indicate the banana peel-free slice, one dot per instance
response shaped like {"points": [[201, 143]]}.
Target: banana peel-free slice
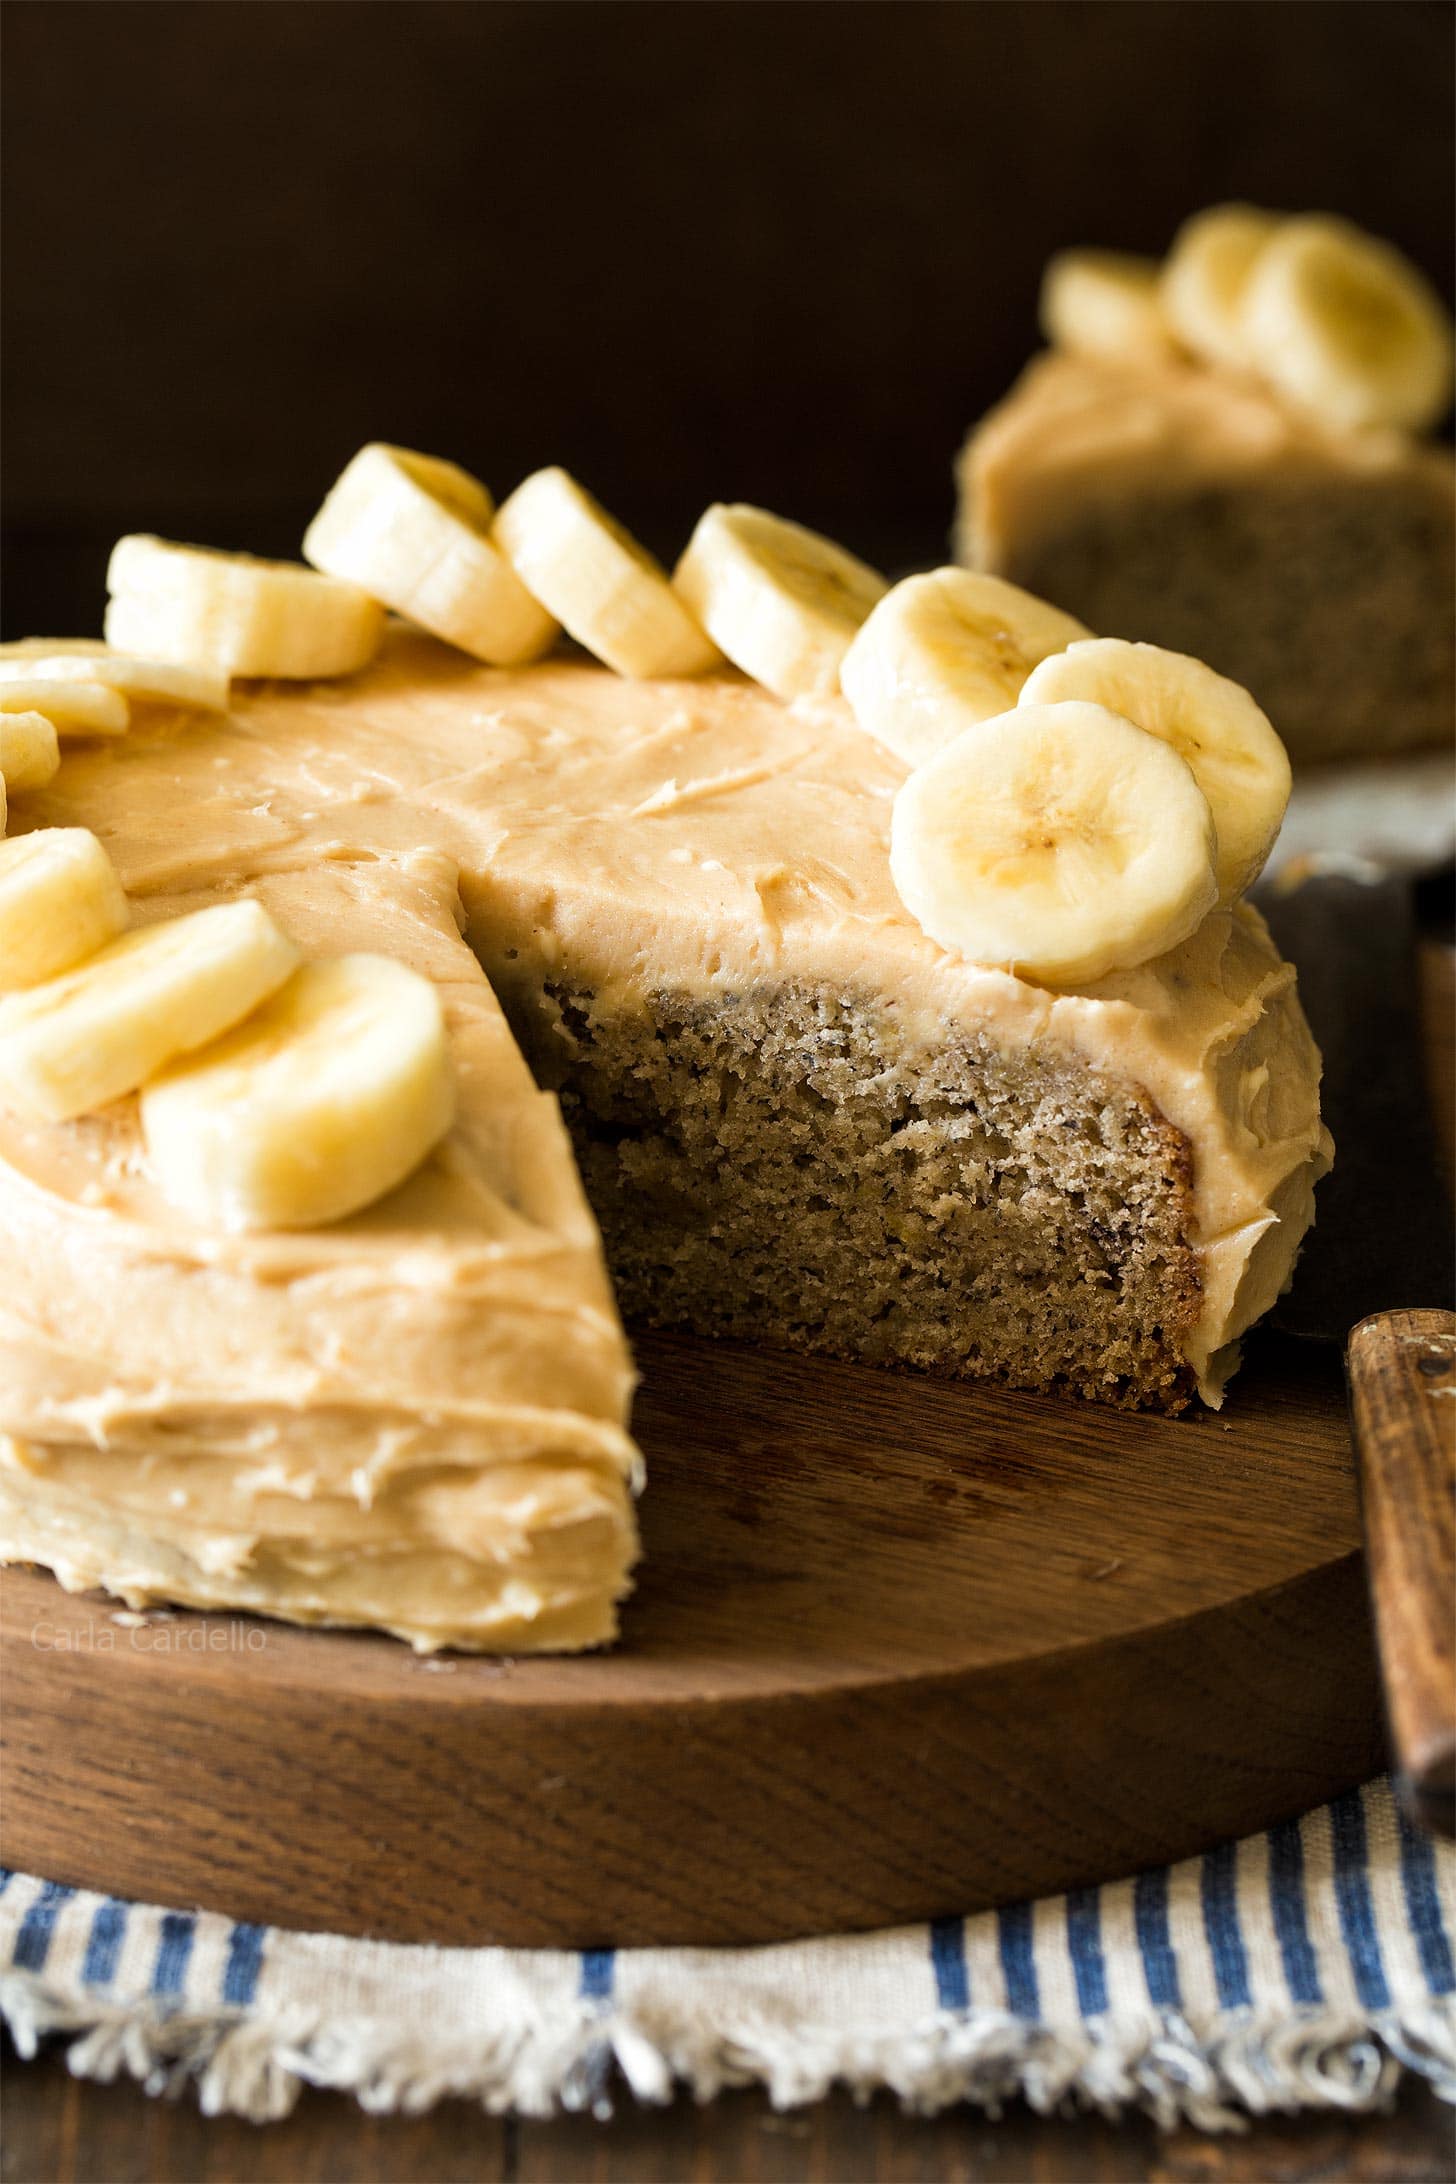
{"points": [[327, 1097], [944, 650], [235, 613], [1227, 740], [598, 582], [88, 1035], [781, 602], [1057, 842], [416, 532], [60, 900]]}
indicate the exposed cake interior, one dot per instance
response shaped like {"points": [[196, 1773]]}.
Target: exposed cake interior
{"points": [[788, 1165]]}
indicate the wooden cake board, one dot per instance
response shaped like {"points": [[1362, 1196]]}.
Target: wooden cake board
{"points": [[900, 1647]]}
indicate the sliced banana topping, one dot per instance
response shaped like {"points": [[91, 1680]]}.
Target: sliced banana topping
{"points": [[944, 650], [235, 613], [781, 602], [1058, 842], [604, 588], [30, 754], [326, 1098], [1329, 317], [96, 1032], [1227, 741], [1205, 277], [415, 532], [79, 706], [1344, 325], [156, 682], [60, 900], [1104, 303]]}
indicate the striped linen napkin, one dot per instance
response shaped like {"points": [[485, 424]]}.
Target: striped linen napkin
{"points": [[1305, 1968]]}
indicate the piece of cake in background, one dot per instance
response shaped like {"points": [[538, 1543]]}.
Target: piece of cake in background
{"points": [[1230, 455]]}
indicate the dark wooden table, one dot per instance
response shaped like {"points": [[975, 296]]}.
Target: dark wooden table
{"points": [[60, 2130]]}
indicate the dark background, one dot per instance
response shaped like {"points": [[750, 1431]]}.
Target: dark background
{"points": [[694, 250]]}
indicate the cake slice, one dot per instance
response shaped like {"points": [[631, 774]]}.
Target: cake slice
{"points": [[1228, 454], [1160, 500], [414, 1418]]}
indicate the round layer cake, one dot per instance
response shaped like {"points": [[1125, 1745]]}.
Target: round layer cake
{"points": [[662, 915]]}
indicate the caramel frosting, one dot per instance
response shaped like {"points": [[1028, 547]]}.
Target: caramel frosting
{"points": [[1078, 431], [417, 1417]]}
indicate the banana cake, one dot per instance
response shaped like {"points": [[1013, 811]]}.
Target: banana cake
{"points": [[709, 1066], [1231, 456]]}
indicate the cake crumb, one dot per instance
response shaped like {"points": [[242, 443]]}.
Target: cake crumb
{"points": [[954, 1206]]}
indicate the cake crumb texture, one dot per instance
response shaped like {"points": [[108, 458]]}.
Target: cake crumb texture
{"points": [[1319, 599], [783, 1166]]}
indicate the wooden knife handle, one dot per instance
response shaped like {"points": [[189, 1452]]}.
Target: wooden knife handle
{"points": [[1401, 1368]]}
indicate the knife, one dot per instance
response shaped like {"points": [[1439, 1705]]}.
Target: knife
{"points": [[1377, 1275]]}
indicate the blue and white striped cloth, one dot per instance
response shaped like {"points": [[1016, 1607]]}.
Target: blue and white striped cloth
{"points": [[1303, 1968]]}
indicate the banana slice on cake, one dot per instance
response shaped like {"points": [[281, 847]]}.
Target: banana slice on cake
{"points": [[781, 602], [1344, 325], [82, 705], [325, 1099], [1105, 303], [1235, 756], [415, 531], [155, 682], [96, 1032], [240, 615], [604, 588], [1205, 276], [30, 754], [1058, 842], [60, 900], [944, 650]]}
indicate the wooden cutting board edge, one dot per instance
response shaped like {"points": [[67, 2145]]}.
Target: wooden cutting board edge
{"points": [[666, 1793]]}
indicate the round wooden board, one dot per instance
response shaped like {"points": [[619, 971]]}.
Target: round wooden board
{"points": [[900, 1647]]}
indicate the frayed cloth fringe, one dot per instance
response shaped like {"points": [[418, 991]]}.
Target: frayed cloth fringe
{"points": [[255, 2065]]}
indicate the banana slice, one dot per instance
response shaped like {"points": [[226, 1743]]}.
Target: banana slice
{"points": [[1205, 276], [101, 1030], [415, 532], [83, 706], [1058, 842], [156, 682], [1346, 326], [30, 755], [1228, 743], [944, 650], [191, 605], [1104, 303], [324, 1100], [60, 900], [597, 581], [780, 601]]}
